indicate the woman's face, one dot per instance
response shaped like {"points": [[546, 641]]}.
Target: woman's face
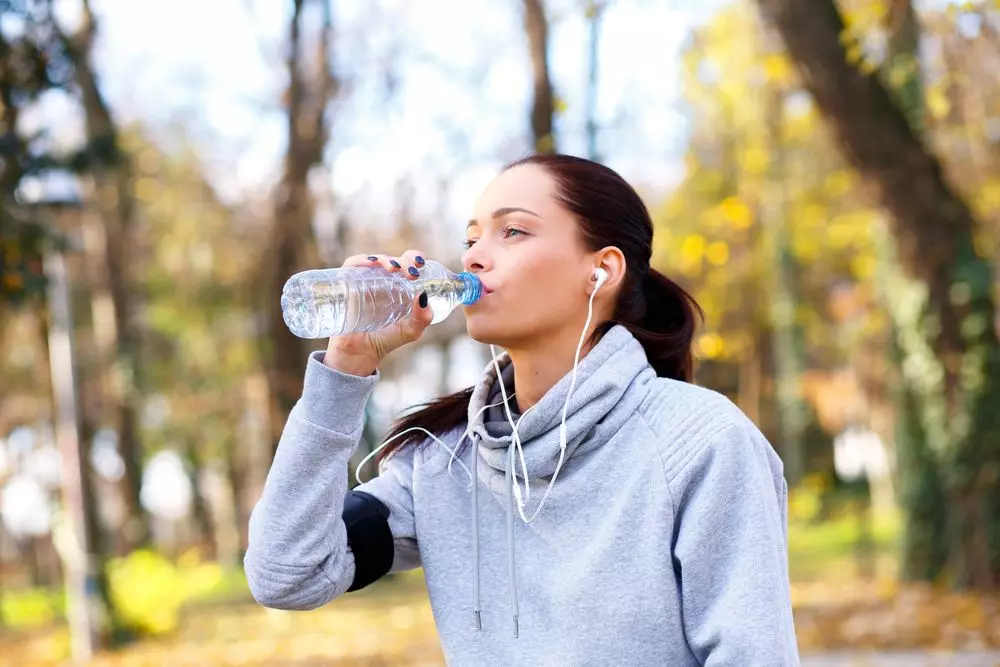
{"points": [[527, 250]]}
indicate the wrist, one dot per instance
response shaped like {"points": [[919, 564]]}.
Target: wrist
{"points": [[352, 363]]}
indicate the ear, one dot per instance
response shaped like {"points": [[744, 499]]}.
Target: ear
{"points": [[612, 261]]}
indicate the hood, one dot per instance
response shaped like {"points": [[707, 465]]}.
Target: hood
{"points": [[603, 378]]}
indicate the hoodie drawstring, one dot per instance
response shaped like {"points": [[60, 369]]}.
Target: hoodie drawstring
{"points": [[511, 571], [475, 534], [511, 565]]}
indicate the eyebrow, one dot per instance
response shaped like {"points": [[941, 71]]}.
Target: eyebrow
{"points": [[501, 212]]}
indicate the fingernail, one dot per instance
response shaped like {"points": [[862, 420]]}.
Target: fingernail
{"points": [[419, 260], [413, 272], [423, 300], [372, 258], [395, 263]]}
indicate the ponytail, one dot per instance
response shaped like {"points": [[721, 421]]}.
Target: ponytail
{"points": [[663, 317], [438, 416]]}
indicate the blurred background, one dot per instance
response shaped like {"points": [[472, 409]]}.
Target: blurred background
{"points": [[824, 176]]}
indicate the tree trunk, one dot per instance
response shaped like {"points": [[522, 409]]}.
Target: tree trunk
{"points": [[236, 473], [113, 185], [543, 106], [202, 515], [785, 330], [293, 241], [944, 307], [921, 493]]}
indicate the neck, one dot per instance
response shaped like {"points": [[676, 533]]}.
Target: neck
{"points": [[539, 367]]}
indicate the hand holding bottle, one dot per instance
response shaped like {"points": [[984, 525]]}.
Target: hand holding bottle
{"points": [[361, 353]]}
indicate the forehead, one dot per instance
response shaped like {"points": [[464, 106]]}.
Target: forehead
{"points": [[528, 186]]}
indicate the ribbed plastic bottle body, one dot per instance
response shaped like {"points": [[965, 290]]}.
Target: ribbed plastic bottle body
{"points": [[334, 302]]}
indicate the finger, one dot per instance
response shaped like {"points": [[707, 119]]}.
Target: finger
{"points": [[389, 263], [413, 261], [361, 260], [421, 314]]}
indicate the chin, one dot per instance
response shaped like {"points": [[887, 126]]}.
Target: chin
{"points": [[495, 331], [483, 331]]}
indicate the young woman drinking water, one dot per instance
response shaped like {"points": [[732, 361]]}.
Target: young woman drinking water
{"points": [[583, 503]]}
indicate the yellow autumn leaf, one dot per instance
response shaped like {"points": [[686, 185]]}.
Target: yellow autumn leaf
{"points": [[814, 215], [838, 183], [863, 266], [736, 212], [807, 247], [777, 69], [988, 196], [755, 161], [938, 103], [717, 253], [710, 346], [693, 248]]}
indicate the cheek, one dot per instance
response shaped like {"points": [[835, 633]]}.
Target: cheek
{"points": [[547, 285], [542, 265]]}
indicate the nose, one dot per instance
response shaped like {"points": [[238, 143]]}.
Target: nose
{"points": [[476, 258]]}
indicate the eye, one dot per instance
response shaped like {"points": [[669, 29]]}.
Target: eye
{"points": [[469, 243], [507, 231]]}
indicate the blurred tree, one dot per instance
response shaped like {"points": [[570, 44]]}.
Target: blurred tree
{"points": [[543, 103], [921, 492], [29, 67], [114, 188], [944, 308], [34, 61], [764, 196], [786, 331], [312, 85], [201, 350]]}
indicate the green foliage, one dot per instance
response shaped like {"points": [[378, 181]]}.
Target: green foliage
{"points": [[148, 590], [32, 608]]}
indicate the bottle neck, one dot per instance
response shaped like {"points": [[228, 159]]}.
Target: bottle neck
{"points": [[472, 288]]}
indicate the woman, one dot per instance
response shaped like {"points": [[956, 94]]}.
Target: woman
{"points": [[662, 537]]}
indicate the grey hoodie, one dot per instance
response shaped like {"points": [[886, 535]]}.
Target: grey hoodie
{"points": [[663, 541]]}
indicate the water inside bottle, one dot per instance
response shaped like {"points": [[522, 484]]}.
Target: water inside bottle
{"points": [[366, 303]]}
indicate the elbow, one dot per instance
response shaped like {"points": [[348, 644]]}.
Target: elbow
{"points": [[288, 588], [285, 598]]}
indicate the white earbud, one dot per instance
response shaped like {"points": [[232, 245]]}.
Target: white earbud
{"points": [[600, 275]]}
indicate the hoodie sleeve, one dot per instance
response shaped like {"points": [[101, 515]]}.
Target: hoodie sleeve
{"points": [[298, 557], [731, 552]]}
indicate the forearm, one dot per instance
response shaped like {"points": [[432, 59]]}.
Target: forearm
{"points": [[297, 552]]}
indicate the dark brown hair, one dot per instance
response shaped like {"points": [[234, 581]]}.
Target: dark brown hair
{"points": [[657, 311]]}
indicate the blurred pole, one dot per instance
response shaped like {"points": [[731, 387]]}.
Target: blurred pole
{"points": [[79, 562], [595, 15]]}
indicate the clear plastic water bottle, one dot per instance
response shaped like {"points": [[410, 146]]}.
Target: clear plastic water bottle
{"points": [[360, 299]]}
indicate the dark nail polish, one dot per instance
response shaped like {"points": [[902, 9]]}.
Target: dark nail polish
{"points": [[372, 258], [419, 260], [395, 263], [413, 272], [423, 300]]}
